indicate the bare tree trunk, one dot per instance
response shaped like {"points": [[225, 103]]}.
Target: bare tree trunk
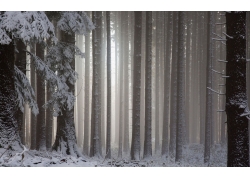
{"points": [[41, 131], [148, 94], [167, 62], [180, 86], [95, 146], [135, 147], [108, 140], [33, 118], [208, 119], [126, 87], [157, 78], [87, 95], [173, 106]]}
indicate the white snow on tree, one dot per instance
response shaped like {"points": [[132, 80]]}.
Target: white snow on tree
{"points": [[24, 92], [75, 22], [25, 26]]}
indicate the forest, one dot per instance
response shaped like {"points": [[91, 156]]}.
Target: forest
{"points": [[124, 88]]}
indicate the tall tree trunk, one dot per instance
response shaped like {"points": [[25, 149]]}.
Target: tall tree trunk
{"points": [[236, 98], [148, 98], [126, 88], [157, 79], [9, 136], [40, 129], [33, 118], [135, 146], [180, 86], [173, 106], [87, 95], [20, 62], [66, 134], [95, 146], [209, 99], [108, 140], [167, 62], [49, 116]]}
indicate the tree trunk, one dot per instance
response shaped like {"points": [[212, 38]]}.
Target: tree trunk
{"points": [[148, 98], [20, 62], [173, 100], [33, 118], [66, 134], [209, 97], [95, 146], [135, 146], [126, 88], [9, 136], [236, 98], [41, 133], [108, 140], [180, 86], [167, 63]]}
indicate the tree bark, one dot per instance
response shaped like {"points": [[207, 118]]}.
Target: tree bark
{"points": [[9, 136], [148, 98], [95, 146], [135, 147], [33, 118], [40, 129], [167, 62], [173, 106], [180, 86], [209, 97], [236, 98]]}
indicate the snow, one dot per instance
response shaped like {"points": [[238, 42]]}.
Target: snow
{"points": [[192, 157]]}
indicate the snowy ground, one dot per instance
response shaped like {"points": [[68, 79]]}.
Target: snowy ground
{"points": [[192, 157]]}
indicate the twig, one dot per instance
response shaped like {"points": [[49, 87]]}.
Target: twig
{"points": [[221, 110], [215, 91], [222, 61], [216, 39], [218, 72], [227, 35]]}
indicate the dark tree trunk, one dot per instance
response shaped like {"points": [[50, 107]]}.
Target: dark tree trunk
{"points": [[95, 145], [135, 146], [148, 98], [180, 86], [33, 118], [208, 115], [40, 129], [20, 62], [236, 98], [9, 136], [66, 135], [173, 106]]}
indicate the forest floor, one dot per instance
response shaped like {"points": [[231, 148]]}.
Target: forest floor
{"points": [[192, 157]]}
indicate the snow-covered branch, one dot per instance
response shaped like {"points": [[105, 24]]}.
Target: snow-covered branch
{"points": [[25, 25], [217, 72], [75, 22], [227, 35], [215, 91], [216, 39], [24, 92], [219, 60]]}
